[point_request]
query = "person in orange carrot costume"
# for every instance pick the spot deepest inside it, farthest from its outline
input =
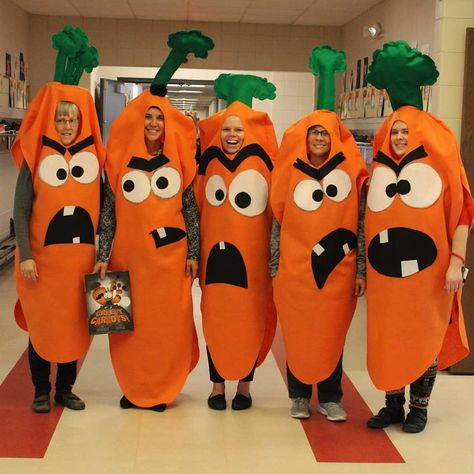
(317, 192)
(59, 153)
(419, 210)
(150, 167)
(232, 187)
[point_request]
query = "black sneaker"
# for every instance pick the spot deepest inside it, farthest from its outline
(415, 421)
(69, 400)
(385, 417)
(41, 403)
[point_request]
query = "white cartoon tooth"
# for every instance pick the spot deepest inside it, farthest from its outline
(68, 210)
(221, 245)
(346, 249)
(318, 249)
(161, 232)
(383, 236)
(409, 267)
(76, 240)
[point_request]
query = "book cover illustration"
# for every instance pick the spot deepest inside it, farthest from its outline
(109, 304)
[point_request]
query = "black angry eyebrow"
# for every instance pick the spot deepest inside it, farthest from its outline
(46, 141)
(81, 145)
(143, 164)
(320, 173)
(212, 152)
(415, 154)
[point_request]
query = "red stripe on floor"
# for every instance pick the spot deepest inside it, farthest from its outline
(350, 441)
(23, 433)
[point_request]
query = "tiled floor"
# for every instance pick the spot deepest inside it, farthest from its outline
(190, 438)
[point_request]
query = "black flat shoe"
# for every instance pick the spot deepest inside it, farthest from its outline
(41, 404)
(160, 407)
(217, 402)
(241, 402)
(415, 421)
(126, 403)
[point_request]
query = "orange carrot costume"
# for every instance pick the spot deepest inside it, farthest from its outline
(152, 363)
(414, 205)
(413, 208)
(63, 223)
(318, 209)
(232, 196)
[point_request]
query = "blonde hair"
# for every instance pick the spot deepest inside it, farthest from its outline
(67, 109)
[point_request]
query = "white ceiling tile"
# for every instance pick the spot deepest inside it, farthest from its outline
(297, 12)
(47, 7)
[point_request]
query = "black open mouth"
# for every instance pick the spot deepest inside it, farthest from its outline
(329, 251)
(400, 252)
(226, 265)
(167, 235)
(70, 225)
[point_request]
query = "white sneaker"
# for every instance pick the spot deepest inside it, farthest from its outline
(300, 408)
(333, 411)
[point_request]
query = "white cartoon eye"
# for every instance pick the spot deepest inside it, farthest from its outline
(382, 189)
(308, 194)
(216, 190)
(135, 186)
(337, 185)
(84, 167)
(248, 193)
(419, 185)
(54, 170)
(166, 182)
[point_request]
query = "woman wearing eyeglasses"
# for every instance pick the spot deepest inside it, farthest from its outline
(63, 173)
(318, 249)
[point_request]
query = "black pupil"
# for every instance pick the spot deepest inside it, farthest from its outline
(331, 190)
(128, 186)
(77, 171)
(391, 190)
(219, 195)
(403, 186)
(162, 182)
(61, 174)
(243, 200)
(318, 195)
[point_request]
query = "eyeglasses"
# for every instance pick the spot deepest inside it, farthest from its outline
(316, 132)
(62, 121)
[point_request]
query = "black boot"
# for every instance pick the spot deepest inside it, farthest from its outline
(416, 420)
(390, 414)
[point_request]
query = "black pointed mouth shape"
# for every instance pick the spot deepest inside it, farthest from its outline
(329, 252)
(226, 265)
(167, 235)
(401, 252)
(70, 225)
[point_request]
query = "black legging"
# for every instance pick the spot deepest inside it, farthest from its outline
(41, 370)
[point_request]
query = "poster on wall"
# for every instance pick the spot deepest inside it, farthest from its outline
(8, 65)
(366, 70)
(22, 68)
(359, 71)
